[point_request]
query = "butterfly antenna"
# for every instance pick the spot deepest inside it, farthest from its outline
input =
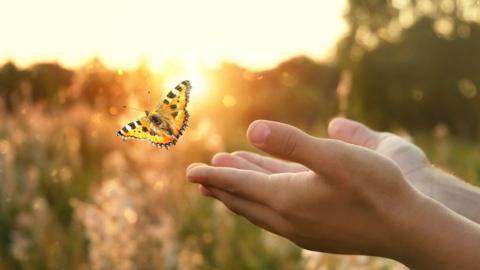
(148, 98)
(131, 108)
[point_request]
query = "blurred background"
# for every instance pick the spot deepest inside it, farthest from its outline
(74, 196)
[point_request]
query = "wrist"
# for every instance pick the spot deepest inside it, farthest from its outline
(433, 237)
(430, 182)
(450, 191)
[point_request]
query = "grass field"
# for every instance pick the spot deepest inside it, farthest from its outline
(74, 196)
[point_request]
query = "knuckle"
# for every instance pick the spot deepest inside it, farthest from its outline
(290, 143)
(228, 184)
(233, 189)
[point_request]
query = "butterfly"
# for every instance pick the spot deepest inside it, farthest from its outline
(166, 123)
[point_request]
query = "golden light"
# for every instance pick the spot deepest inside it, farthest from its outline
(177, 70)
(248, 32)
(199, 87)
(229, 101)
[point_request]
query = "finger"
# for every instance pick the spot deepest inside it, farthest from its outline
(323, 156)
(205, 191)
(229, 160)
(256, 213)
(270, 164)
(353, 132)
(193, 165)
(249, 184)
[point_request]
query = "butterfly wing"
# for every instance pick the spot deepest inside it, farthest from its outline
(174, 108)
(140, 130)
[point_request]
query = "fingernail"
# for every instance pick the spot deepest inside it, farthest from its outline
(259, 133)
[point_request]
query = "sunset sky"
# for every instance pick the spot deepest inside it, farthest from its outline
(257, 34)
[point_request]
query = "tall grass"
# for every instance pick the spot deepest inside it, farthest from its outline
(74, 196)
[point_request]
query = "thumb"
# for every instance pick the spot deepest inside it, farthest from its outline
(353, 132)
(290, 143)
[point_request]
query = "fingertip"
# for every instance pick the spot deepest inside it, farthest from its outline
(257, 132)
(218, 158)
(227, 160)
(344, 129)
(193, 165)
(281, 140)
(197, 172)
(249, 156)
(239, 153)
(353, 132)
(335, 126)
(232, 161)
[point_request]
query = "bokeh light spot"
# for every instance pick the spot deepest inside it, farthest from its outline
(229, 101)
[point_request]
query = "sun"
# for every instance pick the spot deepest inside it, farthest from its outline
(180, 70)
(199, 86)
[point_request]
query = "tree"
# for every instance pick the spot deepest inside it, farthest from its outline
(418, 76)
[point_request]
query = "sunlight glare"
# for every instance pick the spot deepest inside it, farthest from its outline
(255, 34)
(199, 87)
(177, 70)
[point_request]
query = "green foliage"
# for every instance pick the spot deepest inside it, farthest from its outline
(420, 82)
(414, 73)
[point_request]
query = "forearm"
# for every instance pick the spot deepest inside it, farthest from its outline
(459, 196)
(438, 238)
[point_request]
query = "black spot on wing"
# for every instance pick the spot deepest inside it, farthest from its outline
(156, 119)
(144, 129)
(173, 106)
(184, 125)
(165, 101)
(171, 95)
(174, 114)
(187, 84)
(138, 123)
(124, 129)
(132, 125)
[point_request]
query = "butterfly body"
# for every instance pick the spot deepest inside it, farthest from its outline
(164, 125)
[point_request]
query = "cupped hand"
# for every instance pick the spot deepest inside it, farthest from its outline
(411, 160)
(334, 197)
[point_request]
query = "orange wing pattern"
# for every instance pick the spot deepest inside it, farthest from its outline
(173, 111)
(140, 130)
(174, 108)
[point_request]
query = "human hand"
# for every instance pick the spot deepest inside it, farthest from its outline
(343, 199)
(417, 169)
(411, 160)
